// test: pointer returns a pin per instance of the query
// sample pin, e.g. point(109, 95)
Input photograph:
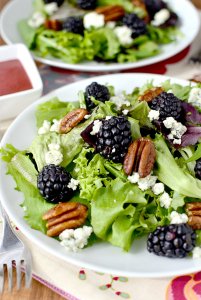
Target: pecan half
point(111, 12)
point(53, 24)
point(150, 94)
point(140, 157)
point(63, 216)
point(193, 211)
point(72, 119)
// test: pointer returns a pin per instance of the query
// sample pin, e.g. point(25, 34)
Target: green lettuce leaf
point(171, 174)
point(25, 175)
point(126, 213)
point(70, 144)
point(53, 109)
point(61, 44)
point(103, 42)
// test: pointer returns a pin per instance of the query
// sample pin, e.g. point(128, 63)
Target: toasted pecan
point(150, 94)
point(63, 216)
point(140, 157)
point(193, 211)
point(111, 12)
point(72, 119)
point(53, 24)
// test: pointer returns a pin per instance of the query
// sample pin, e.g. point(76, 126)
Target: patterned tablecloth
point(76, 283)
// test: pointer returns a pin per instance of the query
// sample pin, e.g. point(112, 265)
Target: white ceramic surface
point(12, 104)
point(102, 256)
point(184, 8)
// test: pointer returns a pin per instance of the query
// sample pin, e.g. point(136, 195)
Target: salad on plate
point(106, 31)
point(115, 167)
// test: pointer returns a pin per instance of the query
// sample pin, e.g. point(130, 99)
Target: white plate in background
point(17, 10)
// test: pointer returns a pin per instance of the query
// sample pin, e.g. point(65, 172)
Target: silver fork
point(13, 251)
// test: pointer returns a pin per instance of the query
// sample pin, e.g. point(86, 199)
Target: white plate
point(101, 257)
point(20, 9)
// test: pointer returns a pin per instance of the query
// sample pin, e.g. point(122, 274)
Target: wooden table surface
point(37, 290)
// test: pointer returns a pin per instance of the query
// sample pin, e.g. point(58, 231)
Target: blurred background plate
point(16, 10)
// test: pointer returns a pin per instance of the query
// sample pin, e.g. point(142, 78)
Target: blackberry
point(59, 2)
point(137, 25)
point(153, 6)
point(197, 169)
point(87, 4)
point(114, 138)
point(53, 183)
point(175, 240)
point(168, 105)
point(73, 24)
point(98, 91)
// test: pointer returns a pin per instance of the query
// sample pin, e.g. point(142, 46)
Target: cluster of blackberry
point(168, 105)
point(175, 240)
point(53, 183)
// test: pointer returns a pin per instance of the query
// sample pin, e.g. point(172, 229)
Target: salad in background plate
point(115, 167)
point(108, 31)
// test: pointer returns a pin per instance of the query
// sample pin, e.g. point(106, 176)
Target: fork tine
point(28, 275)
point(1, 278)
point(10, 275)
point(18, 271)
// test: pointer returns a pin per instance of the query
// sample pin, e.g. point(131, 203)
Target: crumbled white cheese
point(147, 182)
point(96, 127)
point(93, 19)
point(195, 97)
point(134, 177)
point(125, 112)
point(54, 155)
point(158, 188)
point(165, 200)
point(75, 239)
point(161, 17)
point(73, 184)
point(119, 101)
point(111, 24)
point(153, 115)
point(176, 218)
point(124, 35)
point(45, 128)
point(36, 20)
point(51, 8)
point(177, 129)
point(196, 252)
point(87, 117)
point(55, 126)
point(143, 183)
point(108, 117)
point(169, 122)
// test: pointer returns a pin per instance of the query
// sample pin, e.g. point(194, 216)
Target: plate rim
point(106, 67)
point(29, 232)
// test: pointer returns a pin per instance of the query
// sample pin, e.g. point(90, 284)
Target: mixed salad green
point(77, 35)
point(120, 209)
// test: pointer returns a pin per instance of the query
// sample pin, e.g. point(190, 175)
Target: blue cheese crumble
point(75, 239)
